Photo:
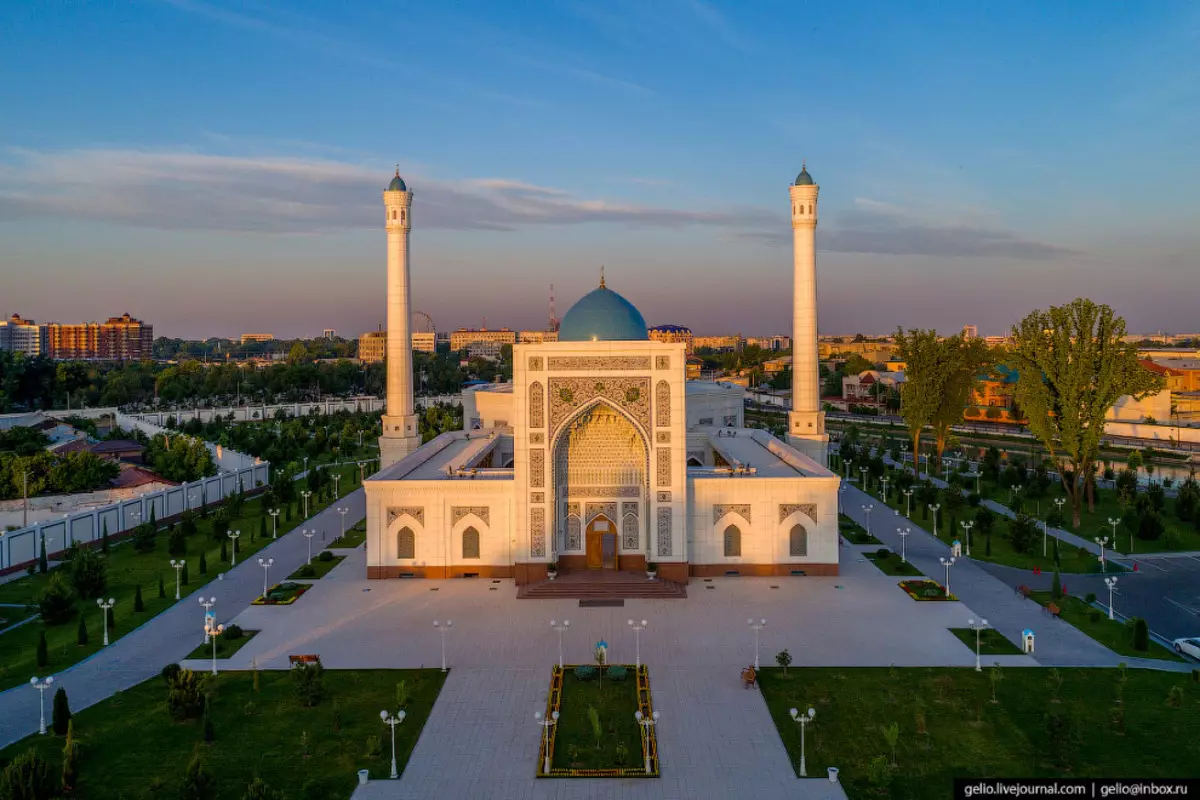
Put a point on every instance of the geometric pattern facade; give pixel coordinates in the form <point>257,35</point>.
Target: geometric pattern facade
<point>721,509</point>
<point>808,509</point>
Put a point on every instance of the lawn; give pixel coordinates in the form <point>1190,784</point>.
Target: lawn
<point>575,745</point>
<point>226,647</point>
<point>891,564</point>
<point>355,536</point>
<point>318,569</point>
<point>126,570</point>
<point>991,642</point>
<point>854,532</point>
<point>283,594</point>
<point>1115,635</point>
<point>926,590</point>
<point>949,727</point>
<point>130,748</point>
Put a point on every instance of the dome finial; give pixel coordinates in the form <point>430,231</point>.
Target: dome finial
<point>602,286</point>
<point>397,170</point>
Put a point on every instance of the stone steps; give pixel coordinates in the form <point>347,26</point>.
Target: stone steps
<point>602,585</point>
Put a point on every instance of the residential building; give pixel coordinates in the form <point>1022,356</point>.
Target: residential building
<point>424,341</point>
<point>461,338</point>
<point>726,342</point>
<point>247,338</point>
<point>672,334</point>
<point>537,337</point>
<point>861,388</point>
<point>970,332</point>
<point>23,336</point>
<point>122,338</point>
<point>875,352</point>
<point>372,346</point>
<point>329,333</point>
<point>995,341</point>
<point>772,343</point>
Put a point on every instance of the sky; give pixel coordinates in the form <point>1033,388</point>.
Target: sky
<point>216,168</point>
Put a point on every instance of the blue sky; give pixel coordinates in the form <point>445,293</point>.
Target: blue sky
<point>215,167</point>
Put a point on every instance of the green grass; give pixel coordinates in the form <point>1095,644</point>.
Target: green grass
<point>354,536</point>
<point>616,703</point>
<point>950,728</point>
<point>225,647</point>
<point>289,591</point>
<point>319,569</point>
<point>991,642</point>
<point>854,532</point>
<point>127,569</point>
<point>1113,634</point>
<point>892,565</point>
<point>130,747</point>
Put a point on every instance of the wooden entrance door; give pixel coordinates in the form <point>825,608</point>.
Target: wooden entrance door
<point>601,543</point>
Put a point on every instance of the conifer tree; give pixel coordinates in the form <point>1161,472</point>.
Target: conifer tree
<point>42,656</point>
<point>138,604</point>
<point>62,712</point>
<point>104,538</point>
<point>81,633</point>
<point>162,591</point>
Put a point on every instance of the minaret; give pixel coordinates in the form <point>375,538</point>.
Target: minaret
<point>400,432</point>
<point>806,422</point>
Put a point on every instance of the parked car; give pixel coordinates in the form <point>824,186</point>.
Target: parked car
<point>1188,647</point>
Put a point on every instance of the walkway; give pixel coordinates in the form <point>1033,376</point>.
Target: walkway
<point>172,634</point>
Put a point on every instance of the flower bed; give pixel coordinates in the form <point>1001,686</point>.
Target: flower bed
<point>925,589</point>
<point>282,594</point>
<point>641,702</point>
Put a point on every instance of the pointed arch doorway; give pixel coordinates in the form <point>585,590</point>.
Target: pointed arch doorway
<point>601,540</point>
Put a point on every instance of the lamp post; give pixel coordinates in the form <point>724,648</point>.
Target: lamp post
<point>392,722</point>
<point>647,722</point>
<point>443,628</point>
<point>337,476</point>
<point>565,625</point>
<point>306,464</point>
<point>637,628</point>
<point>178,565</point>
<point>867,509</point>
<point>1111,583</point>
<point>885,480</point>
<point>863,482</point>
<point>343,512</point>
<point>1102,540</point>
<point>974,473</point>
<point>803,719</point>
<point>947,563</point>
<point>979,629</point>
<point>935,507</point>
<point>841,494</point>
<point>846,464</point>
<point>233,537</point>
<point>274,512</point>
<point>306,494</point>
<point>307,534</point>
<point>546,723</point>
<point>208,604</point>
<point>1115,522</point>
<point>966,526</point>
<point>903,532</point>
<point>212,630</point>
<point>266,565</point>
<point>908,493</point>
<point>105,606</point>
<point>42,685</point>
<point>756,626</point>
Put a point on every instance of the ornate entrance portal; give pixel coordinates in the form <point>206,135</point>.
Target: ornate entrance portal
<point>602,544</point>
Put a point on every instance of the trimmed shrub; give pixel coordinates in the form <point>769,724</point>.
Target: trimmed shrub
<point>1090,597</point>
<point>325,556</point>
<point>81,633</point>
<point>585,672</point>
<point>177,543</point>
<point>882,553</point>
<point>617,673</point>
<point>138,603</point>
<point>57,602</point>
<point>62,712</point>
<point>42,657</point>
<point>203,565</point>
<point>70,768</point>
<point>162,591</point>
<point>1141,636</point>
<point>28,777</point>
<point>89,574</point>
<point>234,632</point>
<point>169,672</point>
<point>307,571</point>
<point>185,695</point>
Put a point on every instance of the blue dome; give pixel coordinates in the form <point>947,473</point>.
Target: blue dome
<point>804,179</point>
<point>397,184</point>
<point>602,315</point>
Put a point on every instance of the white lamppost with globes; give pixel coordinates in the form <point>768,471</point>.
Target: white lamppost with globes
<point>647,722</point>
<point>979,628</point>
<point>867,509</point>
<point>803,719</point>
<point>947,563</point>
<point>1060,502</point>
<point>863,481</point>
<point>565,625</point>
<point>637,628</point>
<point>274,512</point>
<point>903,533</point>
<point>42,685</point>
<point>392,722</point>
<point>908,493</point>
<point>265,563</point>
<point>935,508</point>
<point>443,628</point>
<point>208,604</point>
<point>966,526</point>
<point>756,626</point>
<point>306,494</point>
<point>309,534</point>
<point>337,477</point>
<point>343,512</point>
<point>178,565</point>
<point>546,724</point>
<point>1114,521</point>
<point>885,480</point>
<point>1111,583</point>
<point>105,607</point>
<point>212,630</point>
<point>233,537</point>
<point>1102,540</point>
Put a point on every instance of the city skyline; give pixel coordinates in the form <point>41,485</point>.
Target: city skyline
<point>973,168</point>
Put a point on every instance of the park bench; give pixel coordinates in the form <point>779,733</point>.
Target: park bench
<point>304,659</point>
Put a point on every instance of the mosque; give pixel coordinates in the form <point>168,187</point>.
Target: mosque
<point>599,455</point>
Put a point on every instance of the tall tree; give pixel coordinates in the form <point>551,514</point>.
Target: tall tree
<point>1073,365</point>
<point>919,397</point>
<point>961,362</point>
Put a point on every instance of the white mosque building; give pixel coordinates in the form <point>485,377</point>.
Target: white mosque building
<point>600,456</point>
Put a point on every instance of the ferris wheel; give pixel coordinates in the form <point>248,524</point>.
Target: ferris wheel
<point>422,323</point>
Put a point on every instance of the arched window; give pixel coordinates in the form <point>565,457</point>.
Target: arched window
<point>470,539</point>
<point>810,208</point>
<point>406,543</point>
<point>733,542</point>
<point>798,541</point>
<point>402,216</point>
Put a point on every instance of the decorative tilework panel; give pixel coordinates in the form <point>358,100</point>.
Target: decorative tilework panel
<point>574,536</point>
<point>662,362</point>
<point>664,466</point>
<point>458,512</point>
<point>537,438</point>
<point>664,497</point>
<point>395,512</point>
<point>599,363</point>
<point>596,509</point>
<point>535,363</point>
<point>664,531</point>
<point>537,497</point>
<point>630,394</point>
<point>721,509</point>
<point>573,508</point>
<point>663,437</point>
<point>537,531</point>
<point>629,532</point>
<point>787,509</point>
<point>537,406</point>
<point>662,404</point>
<point>604,491</point>
<point>537,469</point>
<point>628,508</point>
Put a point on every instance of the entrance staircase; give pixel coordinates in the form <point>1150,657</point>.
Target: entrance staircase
<point>601,584</point>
